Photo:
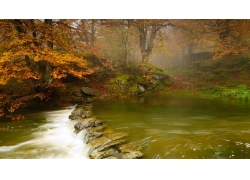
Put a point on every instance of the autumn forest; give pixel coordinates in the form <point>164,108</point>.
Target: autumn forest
<point>43,62</point>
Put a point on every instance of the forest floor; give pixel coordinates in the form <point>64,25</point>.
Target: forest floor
<point>230,83</point>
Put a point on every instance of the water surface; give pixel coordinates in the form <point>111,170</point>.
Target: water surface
<point>42,135</point>
<point>181,127</point>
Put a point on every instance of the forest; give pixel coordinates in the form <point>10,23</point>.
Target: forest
<point>44,62</point>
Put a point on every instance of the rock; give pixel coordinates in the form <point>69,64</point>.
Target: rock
<point>101,154</point>
<point>84,123</point>
<point>89,138</point>
<point>77,111</point>
<point>98,123</point>
<point>112,143</point>
<point>141,88</point>
<point>93,133</point>
<point>89,91</point>
<point>129,147</point>
<point>80,112</point>
<point>132,155</point>
<point>160,76</point>
<point>101,141</point>
<point>115,136</point>
<point>95,129</point>
<point>110,157</point>
<point>73,117</point>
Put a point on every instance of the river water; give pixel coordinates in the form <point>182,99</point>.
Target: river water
<point>165,127</point>
<point>42,135</point>
<point>181,127</point>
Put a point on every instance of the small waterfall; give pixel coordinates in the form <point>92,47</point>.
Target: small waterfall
<point>58,135</point>
<point>72,133</point>
<point>54,139</point>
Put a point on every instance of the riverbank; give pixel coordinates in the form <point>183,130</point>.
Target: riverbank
<point>206,84</point>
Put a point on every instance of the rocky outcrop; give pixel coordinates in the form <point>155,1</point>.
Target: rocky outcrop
<point>89,91</point>
<point>101,145</point>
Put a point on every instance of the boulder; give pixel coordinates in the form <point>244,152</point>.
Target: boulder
<point>97,123</point>
<point>141,88</point>
<point>160,76</point>
<point>129,147</point>
<point>80,112</point>
<point>95,129</point>
<point>89,91</point>
<point>84,123</point>
<point>89,138</point>
<point>132,155</point>
<point>112,143</point>
<point>115,136</point>
<point>93,133</point>
<point>101,154</point>
<point>77,111</point>
<point>101,141</point>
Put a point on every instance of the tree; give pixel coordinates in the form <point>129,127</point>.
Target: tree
<point>221,37</point>
<point>121,43</point>
<point>147,30</point>
<point>41,50</point>
<point>30,42</point>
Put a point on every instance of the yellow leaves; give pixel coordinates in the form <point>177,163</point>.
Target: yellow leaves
<point>27,43</point>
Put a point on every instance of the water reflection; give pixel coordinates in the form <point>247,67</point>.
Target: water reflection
<point>181,127</point>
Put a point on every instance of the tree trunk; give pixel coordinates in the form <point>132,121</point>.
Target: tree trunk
<point>147,46</point>
<point>48,69</point>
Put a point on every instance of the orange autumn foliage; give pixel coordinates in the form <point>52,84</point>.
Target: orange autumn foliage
<point>27,42</point>
<point>44,51</point>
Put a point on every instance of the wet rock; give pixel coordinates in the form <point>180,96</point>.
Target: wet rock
<point>80,112</point>
<point>93,133</point>
<point>89,138</point>
<point>101,141</point>
<point>72,117</point>
<point>118,135</point>
<point>83,114</point>
<point>101,154</point>
<point>110,157</point>
<point>84,123</point>
<point>88,100</point>
<point>77,111</point>
<point>89,91</point>
<point>132,155</point>
<point>129,147</point>
<point>112,143</point>
<point>95,129</point>
<point>98,123</point>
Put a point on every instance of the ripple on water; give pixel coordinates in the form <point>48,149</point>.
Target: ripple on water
<point>179,131</point>
<point>203,117</point>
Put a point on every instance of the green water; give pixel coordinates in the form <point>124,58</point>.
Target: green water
<point>181,127</point>
<point>165,127</point>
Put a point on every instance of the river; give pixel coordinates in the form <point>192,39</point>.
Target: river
<point>165,127</point>
<point>181,127</point>
<point>42,135</point>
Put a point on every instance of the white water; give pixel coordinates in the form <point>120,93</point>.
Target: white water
<point>54,139</point>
